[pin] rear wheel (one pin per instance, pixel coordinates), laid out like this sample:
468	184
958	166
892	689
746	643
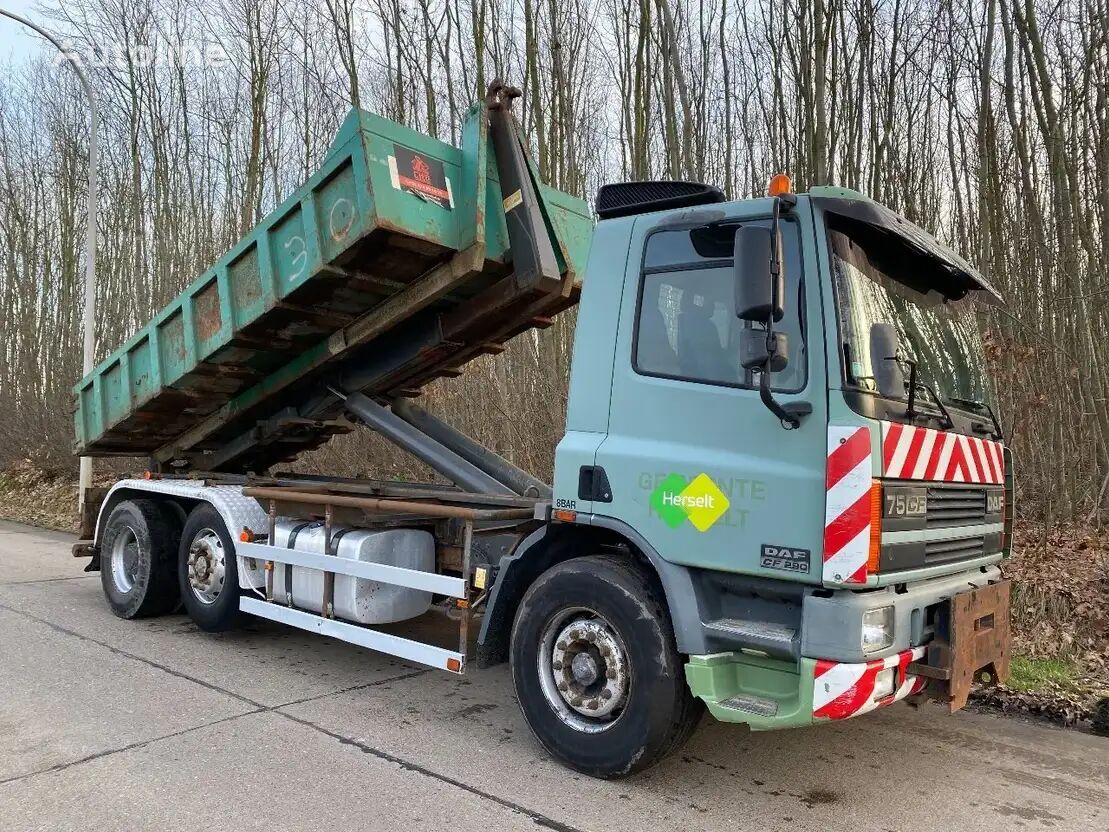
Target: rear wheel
596	670
207	571
137	556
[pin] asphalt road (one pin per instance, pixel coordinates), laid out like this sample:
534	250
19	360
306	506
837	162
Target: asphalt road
120	725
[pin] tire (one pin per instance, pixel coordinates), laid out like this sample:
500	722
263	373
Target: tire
638	707
210	596
138	556
175	520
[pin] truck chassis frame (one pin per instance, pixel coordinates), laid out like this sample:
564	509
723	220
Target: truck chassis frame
454	517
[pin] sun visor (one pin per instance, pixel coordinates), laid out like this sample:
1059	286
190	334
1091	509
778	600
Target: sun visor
871	220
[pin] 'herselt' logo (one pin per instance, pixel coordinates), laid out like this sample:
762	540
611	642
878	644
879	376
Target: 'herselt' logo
700	502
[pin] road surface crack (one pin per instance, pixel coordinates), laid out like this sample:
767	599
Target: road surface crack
131	747
46	580
149	662
257	707
361	686
539	818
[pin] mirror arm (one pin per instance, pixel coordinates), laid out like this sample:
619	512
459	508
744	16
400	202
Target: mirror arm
788	201
791	414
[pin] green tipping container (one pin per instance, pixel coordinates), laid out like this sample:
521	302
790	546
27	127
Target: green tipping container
387	205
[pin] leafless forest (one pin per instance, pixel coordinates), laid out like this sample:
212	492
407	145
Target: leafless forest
986	122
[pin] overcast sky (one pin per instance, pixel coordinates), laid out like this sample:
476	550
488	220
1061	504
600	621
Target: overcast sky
16	40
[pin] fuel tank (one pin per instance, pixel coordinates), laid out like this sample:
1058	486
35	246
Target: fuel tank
357	600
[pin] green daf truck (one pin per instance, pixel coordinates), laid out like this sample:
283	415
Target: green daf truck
782	494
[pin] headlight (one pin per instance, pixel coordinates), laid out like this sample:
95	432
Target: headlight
877	629
883	684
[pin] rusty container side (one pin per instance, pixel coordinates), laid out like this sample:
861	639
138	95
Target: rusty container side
386	205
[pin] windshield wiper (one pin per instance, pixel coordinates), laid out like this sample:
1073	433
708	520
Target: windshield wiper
914	384
980	407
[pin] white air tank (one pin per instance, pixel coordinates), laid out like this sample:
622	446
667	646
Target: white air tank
356	599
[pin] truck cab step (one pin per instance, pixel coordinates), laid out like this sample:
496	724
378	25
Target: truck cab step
748	703
759	636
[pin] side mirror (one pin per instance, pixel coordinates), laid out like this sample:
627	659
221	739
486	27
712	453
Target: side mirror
755	299
888	377
755	350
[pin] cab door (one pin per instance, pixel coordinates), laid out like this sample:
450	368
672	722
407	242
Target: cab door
696	463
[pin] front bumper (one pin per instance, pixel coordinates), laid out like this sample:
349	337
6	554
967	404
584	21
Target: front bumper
968	632
768	694
842	690
831	624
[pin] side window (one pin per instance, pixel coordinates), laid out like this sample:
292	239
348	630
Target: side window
687	326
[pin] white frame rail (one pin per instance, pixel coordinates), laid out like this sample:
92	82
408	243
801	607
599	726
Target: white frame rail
331	565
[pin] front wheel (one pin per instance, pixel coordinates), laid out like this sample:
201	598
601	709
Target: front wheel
596	670
207	571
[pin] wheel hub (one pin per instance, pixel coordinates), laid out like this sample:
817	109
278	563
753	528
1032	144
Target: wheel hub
584	670
125	559
206	566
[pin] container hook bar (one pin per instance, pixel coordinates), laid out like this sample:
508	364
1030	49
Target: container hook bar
533	254
472	451
462	473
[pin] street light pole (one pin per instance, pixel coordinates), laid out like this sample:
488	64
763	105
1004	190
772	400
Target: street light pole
89	356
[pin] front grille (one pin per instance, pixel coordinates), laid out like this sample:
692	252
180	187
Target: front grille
938	551
950	505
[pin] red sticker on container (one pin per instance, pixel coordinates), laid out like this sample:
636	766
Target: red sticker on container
420	175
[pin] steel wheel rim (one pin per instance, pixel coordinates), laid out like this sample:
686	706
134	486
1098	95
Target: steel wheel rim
207	566
584	671
125	559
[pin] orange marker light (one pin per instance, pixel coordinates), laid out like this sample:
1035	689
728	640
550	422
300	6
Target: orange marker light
874	553
246	535
454	665
565	515
780	183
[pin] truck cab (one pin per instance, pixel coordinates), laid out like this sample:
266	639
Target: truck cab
808	563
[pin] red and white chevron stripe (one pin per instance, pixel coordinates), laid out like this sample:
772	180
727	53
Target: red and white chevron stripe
842	690
912	453
848	505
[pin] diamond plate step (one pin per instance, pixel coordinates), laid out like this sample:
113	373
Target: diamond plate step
773	639
751	704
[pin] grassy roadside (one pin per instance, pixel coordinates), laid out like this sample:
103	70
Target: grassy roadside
1060	617
1060	604
1029	675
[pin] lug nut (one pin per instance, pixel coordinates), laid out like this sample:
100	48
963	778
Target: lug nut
606	694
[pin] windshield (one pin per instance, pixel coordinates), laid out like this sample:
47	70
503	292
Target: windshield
879	282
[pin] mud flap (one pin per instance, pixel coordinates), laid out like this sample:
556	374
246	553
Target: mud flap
85	547
972	637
